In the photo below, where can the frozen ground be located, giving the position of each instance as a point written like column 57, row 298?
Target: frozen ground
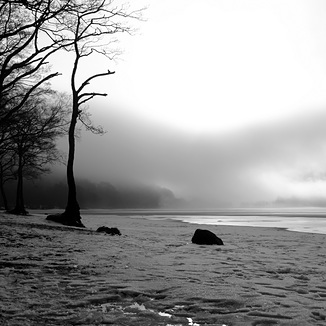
column 153, row 275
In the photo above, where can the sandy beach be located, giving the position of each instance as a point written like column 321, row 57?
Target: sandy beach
column 154, row 275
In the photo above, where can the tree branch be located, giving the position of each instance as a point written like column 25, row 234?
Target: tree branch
column 26, row 96
column 89, row 97
column 88, row 80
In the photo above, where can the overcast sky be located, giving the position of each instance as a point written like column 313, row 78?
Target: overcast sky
column 224, row 100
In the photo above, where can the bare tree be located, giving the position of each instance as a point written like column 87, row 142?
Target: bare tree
column 33, row 133
column 89, row 28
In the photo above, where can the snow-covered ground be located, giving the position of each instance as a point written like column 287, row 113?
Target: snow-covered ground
column 154, row 275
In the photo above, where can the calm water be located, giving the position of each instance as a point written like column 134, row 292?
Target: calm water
column 312, row 220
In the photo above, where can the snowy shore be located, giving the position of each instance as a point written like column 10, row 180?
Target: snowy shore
column 154, row 275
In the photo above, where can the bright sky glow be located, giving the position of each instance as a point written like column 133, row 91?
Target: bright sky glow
column 226, row 99
column 216, row 65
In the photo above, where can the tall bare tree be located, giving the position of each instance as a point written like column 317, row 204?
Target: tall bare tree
column 89, row 27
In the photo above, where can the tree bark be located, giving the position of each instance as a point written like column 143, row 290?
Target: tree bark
column 72, row 211
column 2, row 189
column 20, row 205
column 71, row 215
column 4, row 196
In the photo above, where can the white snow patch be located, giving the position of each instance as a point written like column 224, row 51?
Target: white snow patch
column 140, row 307
column 164, row 314
column 191, row 323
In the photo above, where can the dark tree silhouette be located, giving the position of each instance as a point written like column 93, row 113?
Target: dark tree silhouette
column 87, row 27
column 28, row 37
column 33, row 133
column 7, row 163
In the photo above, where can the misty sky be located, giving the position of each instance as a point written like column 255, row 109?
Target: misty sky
column 224, row 100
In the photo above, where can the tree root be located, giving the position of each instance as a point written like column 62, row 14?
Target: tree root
column 67, row 219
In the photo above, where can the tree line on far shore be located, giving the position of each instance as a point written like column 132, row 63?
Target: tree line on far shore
column 51, row 193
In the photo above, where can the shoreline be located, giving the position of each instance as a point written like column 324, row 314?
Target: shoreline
column 215, row 213
column 294, row 222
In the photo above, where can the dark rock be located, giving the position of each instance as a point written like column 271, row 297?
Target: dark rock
column 111, row 231
column 206, row 237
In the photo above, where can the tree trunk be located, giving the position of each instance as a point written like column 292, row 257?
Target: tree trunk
column 71, row 215
column 72, row 212
column 20, row 205
column 4, row 196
